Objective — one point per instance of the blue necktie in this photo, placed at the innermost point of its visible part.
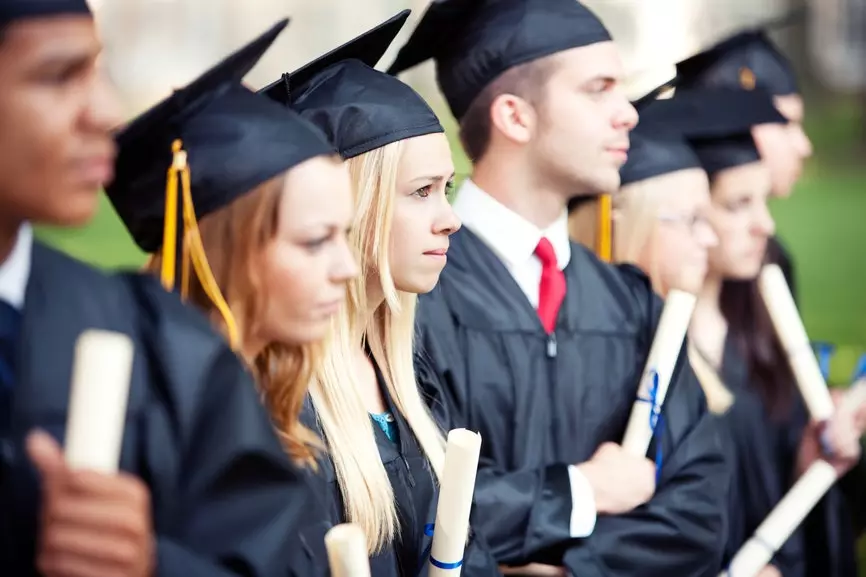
(10, 325)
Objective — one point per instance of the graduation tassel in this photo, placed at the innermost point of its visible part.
(603, 249)
(193, 248)
(169, 228)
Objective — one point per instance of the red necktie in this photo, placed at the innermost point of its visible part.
(551, 290)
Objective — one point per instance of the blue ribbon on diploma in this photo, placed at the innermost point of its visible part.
(428, 530)
(656, 419)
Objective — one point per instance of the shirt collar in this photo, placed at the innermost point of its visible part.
(15, 270)
(505, 232)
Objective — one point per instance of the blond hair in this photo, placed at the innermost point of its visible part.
(234, 238)
(635, 218)
(368, 497)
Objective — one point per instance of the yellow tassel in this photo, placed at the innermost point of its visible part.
(169, 228)
(604, 228)
(201, 266)
(193, 248)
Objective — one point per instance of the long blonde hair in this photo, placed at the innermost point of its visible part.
(367, 493)
(234, 237)
(635, 217)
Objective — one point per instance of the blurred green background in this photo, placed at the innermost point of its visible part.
(822, 224)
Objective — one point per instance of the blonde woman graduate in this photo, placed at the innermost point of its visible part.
(384, 437)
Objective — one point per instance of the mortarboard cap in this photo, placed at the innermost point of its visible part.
(234, 138)
(475, 41)
(13, 10)
(358, 108)
(746, 60)
(672, 131)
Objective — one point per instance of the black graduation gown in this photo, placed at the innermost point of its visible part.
(416, 494)
(543, 402)
(225, 499)
(764, 455)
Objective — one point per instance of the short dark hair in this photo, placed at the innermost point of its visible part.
(525, 80)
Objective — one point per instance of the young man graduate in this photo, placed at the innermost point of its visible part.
(205, 487)
(539, 346)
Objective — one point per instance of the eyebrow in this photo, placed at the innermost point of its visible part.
(433, 178)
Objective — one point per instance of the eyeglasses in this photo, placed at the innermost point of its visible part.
(693, 222)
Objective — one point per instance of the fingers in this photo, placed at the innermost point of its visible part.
(46, 456)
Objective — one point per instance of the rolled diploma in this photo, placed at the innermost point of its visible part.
(347, 551)
(662, 359)
(790, 512)
(101, 373)
(455, 501)
(792, 334)
(783, 520)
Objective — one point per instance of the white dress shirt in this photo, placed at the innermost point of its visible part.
(513, 240)
(15, 270)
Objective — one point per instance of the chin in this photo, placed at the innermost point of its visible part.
(306, 333)
(79, 210)
(418, 286)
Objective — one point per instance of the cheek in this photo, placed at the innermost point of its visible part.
(291, 284)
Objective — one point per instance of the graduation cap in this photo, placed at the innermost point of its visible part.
(693, 128)
(474, 41)
(746, 60)
(357, 107)
(12, 10)
(220, 140)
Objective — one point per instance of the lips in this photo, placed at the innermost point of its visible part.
(437, 252)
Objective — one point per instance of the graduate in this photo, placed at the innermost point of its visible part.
(271, 260)
(538, 345)
(662, 223)
(386, 448)
(750, 60)
(205, 487)
(773, 440)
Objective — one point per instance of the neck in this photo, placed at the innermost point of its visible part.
(711, 292)
(374, 297)
(251, 349)
(513, 185)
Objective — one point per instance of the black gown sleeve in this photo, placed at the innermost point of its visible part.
(238, 505)
(689, 508)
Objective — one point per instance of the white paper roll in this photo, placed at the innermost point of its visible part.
(101, 374)
(782, 521)
(662, 359)
(794, 507)
(347, 551)
(455, 502)
(792, 334)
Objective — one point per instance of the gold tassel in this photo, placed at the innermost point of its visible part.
(169, 227)
(193, 248)
(604, 249)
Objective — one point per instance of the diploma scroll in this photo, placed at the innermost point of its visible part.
(793, 509)
(792, 334)
(662, 359)
(101, 375)
(455, 503)
(347, 551)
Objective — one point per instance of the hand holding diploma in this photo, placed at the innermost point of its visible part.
(795, 506)
(95, 522)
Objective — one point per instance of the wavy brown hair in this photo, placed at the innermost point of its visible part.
(234, 238)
